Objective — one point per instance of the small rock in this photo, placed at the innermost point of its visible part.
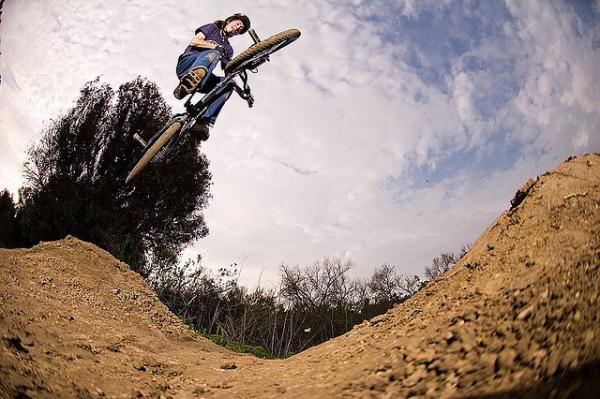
(488, 363)
(415, 377)
(140, 367)
(229, 366)
(539, 357)
(426, 357)
(222, 385)
(526, 313)
(553, 363)
(449, 337)
(431, 389)
(437, 366)
(445, 364)
(378, 320)
(506, 359)
(464, 367)
(468, 379)
(379, 385)
(588, 337)
(409, 369)
(569, 359)
(468, 346)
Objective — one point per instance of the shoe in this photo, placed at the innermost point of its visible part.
(189, 82)
(200, 129)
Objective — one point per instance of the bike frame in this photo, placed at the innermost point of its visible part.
(200, 107)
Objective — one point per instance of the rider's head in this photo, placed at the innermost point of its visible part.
(236, 24)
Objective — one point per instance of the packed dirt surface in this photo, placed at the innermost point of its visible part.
(517, 317)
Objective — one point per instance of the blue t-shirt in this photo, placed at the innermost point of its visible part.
(213, 33)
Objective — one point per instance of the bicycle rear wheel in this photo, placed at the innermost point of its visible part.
(164, 138)
(264, 47)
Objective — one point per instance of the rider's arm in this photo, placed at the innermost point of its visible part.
(200, 41)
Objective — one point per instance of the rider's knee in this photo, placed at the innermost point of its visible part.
(213, 55)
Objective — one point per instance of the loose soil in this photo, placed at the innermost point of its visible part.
(517, 317)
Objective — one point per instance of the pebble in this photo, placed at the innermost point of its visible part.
(535, 357)
(525, 313)
(506, 359)
(488, 361)
(569, 359)
(553, 363)
(427, 356)
(415, 377)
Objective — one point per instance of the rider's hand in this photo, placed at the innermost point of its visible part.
(221, 50)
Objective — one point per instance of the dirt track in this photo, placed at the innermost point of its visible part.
(517, 317)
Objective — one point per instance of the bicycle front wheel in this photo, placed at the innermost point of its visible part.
(264, 47)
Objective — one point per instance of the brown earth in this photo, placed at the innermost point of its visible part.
(517, 317)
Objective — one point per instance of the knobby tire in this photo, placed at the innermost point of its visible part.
(262, 46)
(154, 149)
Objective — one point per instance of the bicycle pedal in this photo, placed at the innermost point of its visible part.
(140, 140)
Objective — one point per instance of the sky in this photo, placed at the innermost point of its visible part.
(390, 132)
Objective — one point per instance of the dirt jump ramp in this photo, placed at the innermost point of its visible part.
(517, 317)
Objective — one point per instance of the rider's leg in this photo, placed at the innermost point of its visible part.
(213, 111)
(192, 68)
(210, 116)
(206, 121)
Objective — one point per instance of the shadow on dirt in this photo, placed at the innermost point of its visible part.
(580, 383)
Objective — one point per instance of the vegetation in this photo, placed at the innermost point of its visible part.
(75, 185)
(236, 346)
(446, 261)
(10, 235)
(75, 179)
(311, 305)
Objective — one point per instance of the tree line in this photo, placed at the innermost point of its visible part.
(74, 184)
(310, 305)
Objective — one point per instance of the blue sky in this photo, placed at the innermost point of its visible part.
(392, 131)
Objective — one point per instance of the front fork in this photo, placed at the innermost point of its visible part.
(244, 92)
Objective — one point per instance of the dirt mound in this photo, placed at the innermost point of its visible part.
(518, 316)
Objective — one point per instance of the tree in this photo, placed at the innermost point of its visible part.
(440, 265)
(9, 228)
(384, 284)
(409, 285)
(446, 261)
(75, 178)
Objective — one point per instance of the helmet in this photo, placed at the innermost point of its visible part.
(242, 17)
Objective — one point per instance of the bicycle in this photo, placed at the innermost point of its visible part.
(161, 144)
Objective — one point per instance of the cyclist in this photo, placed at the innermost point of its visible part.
(194, 67)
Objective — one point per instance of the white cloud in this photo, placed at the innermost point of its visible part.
(463, 95)
(560, 95)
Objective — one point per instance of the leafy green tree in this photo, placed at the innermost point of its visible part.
(9, 228)
(75, 178)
